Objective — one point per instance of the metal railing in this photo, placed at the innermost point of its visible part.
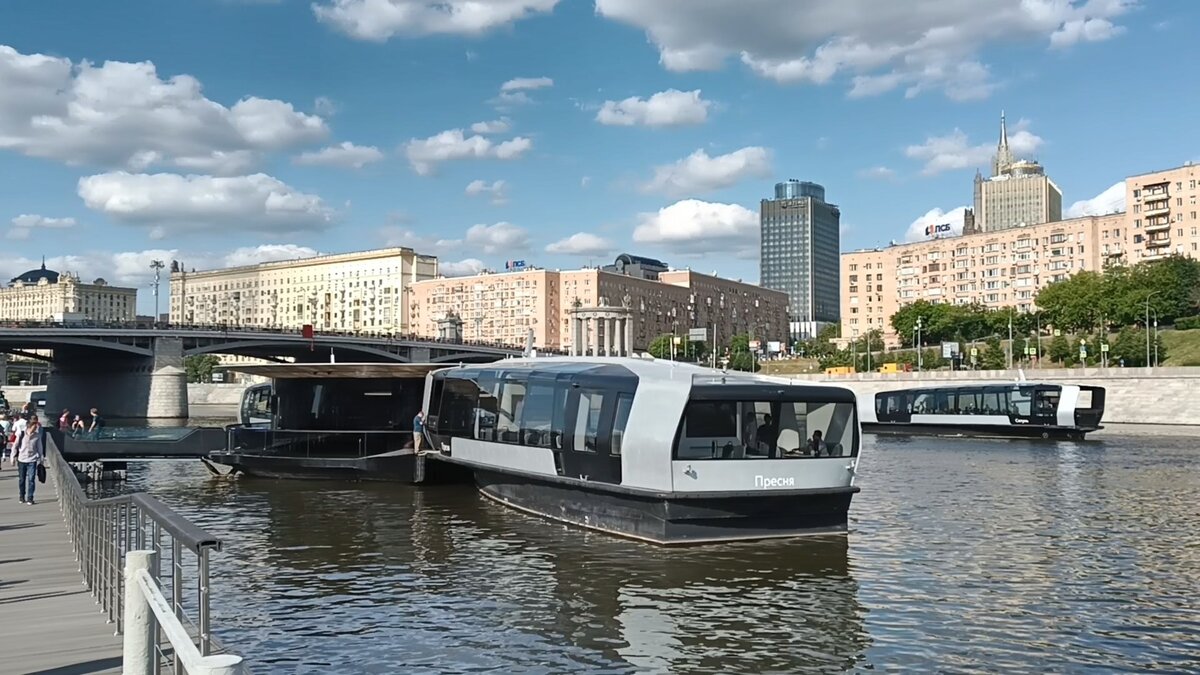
(104, 531)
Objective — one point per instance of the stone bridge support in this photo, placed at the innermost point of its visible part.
(121, 384)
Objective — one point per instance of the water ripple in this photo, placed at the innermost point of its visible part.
(963, 556)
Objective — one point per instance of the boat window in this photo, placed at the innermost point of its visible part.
(587, 419)
(1045, 401)
(1022, 401)
(459, 408)
(1085, 398)
(624, 405)
(508, 412)
(766, 430)
(537, 414)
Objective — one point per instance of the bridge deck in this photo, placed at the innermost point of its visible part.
(48, 621)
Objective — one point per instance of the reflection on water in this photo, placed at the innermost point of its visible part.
(962, 555)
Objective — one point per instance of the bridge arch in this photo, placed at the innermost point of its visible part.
(60, 341)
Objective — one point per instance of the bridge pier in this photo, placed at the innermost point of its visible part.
(121, 385)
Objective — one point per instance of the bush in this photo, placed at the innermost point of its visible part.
(1187, 323)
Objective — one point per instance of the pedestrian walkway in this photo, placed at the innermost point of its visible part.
(49, 623)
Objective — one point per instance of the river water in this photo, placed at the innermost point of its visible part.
(962, 556)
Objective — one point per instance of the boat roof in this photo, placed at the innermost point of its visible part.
(280, 371)
(978, 385)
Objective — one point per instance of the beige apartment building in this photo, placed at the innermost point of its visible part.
(1006, 268)
(46, 295)
(365, 292)
(1161, 210)
(996, 269)
(503, 307)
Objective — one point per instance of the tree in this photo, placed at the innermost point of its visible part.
(1060, 349)
(993, 356)
(199, 367)
(660, 348)
(740, 356)
(1129, 348)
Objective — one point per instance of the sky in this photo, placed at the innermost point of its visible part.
(558, 132)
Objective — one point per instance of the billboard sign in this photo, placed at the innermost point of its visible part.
(949, 349)
(939, 230)
(697, 335)
(514, 265)
(774, 346)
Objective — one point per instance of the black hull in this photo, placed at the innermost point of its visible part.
(1028, 431)
(668, 519)
(391, 467)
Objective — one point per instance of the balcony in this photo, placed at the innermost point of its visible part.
(1158, 226)
(1156, 207)
(1158, 243)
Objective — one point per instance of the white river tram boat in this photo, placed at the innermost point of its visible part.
(1002, 410)
(649, 449)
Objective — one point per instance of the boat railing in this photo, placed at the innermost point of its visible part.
(107, 533)
(316, 442)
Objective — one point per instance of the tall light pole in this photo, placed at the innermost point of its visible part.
(1155, 313)
(1010, 339)
(917, 344)
(157, 266)
(1148, 296)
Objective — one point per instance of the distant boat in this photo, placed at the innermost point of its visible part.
(1017, 410)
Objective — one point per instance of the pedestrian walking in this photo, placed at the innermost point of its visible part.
(29, 457)
(64, 421)
(97, 424)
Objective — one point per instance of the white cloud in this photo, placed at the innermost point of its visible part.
(696, 227)
(920, 46)
(379, 20)
(24, 225)
(954, 151)
(499, 126)
(426, 153)
(394, 235)
(460, 268)
(253, 255)
(346, 155)
(177, 203)
(877, 172)
(1111, 200)
(501, 237)
(497, 189)
(585, 181)
(123, 115)
(515, 91)
(526, 84)
(927, 226)
(665, 109)
(698, 173)
(580, 243)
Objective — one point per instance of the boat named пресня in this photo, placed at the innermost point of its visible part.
(1001, 410)
(650, 449)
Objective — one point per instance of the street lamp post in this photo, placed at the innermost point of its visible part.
(1154, 312)
(1148, 296)
(1010, 338)
(917, 342)
(156, 265)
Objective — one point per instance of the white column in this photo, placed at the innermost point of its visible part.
(140, 623)
(594, 340)
(629, 336)
(611, 323)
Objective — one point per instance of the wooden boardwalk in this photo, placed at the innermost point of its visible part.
(49, 623)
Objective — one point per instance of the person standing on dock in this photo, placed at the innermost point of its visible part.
(6, 428)
(29, 455)
(418, 430)
(96, 425)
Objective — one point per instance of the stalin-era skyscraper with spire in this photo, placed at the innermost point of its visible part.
(1018, 193)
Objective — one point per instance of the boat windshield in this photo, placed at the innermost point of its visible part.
(763, 429)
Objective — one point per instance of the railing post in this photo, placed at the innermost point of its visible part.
(202, 582)
(140, 623)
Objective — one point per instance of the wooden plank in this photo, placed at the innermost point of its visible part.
(49, 623)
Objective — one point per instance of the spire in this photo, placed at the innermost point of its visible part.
(1004, 156)
(43, 261)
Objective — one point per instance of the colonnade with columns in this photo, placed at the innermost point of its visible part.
(601, 331)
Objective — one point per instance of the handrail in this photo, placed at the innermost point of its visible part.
(103, 531)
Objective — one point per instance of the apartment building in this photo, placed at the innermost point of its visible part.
(46, 295)
(502, 307)
(365, 292)
(1161, 210)
(998, 269)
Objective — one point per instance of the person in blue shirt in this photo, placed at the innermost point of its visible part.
(418, 428)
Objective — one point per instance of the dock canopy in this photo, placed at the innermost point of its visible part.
(278, 371)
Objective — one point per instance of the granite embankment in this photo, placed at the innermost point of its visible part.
(205, 401)
(1141, 396)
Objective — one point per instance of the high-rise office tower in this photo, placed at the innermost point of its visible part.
(801, 253)
(1018, 193)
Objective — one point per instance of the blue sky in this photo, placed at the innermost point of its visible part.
(221, 132)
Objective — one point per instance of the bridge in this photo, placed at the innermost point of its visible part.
(136, 371)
